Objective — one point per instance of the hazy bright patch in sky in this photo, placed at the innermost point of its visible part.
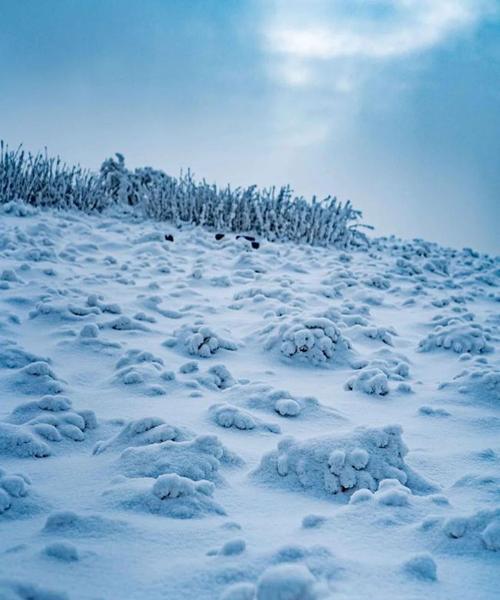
(394, 104)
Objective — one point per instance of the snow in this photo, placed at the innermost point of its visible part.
(185, 416)
(286, 582)
(422, 566)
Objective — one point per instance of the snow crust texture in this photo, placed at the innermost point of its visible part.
(191, 415)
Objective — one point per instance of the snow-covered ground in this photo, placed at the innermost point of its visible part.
(201, 418)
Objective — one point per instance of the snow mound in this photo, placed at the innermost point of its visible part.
(32, 428)
(422, 566)
(230, 548)
(16, 590)
(292, 572)
(142, 432)
(72, 524)
(96, 301)
(62, 551)
(201, 341)
(197, 459)
(370, 381)
(286, 582)
(481, 382)
(13, 356)
(357, 332)
(16, 498)
(36, 378)
(141, 367)
(374, 376)
(464, 534)
(217, 377)
(390, 492)
(481, 528)
(124, 323)
(278, 402)
(227, 415)
(170, 495)
(60, 311)
(458, 337)
(16, 208)
(315, 340)
(344, 463)
(137, 357)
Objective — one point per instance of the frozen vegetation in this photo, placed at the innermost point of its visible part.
(274, 214)
(222, 412)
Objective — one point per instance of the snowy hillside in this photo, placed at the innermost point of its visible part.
(189, 417)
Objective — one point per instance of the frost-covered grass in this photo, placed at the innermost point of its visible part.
(40, 180)
(272, 213)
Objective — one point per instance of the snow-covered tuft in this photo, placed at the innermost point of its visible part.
(315, 340)
(343, 463)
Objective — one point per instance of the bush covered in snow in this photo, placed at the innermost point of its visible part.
(140, 367)
(373, 377)
(199, 458)
(369, 381)
(201, 341)
(459, 337)
(32, 427)
(217, 377)
(43, 181)
(343, 463)
(270, 213)
(315, 340)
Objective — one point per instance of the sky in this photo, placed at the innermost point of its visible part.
(393, 104)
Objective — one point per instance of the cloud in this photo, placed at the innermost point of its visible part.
(361, 31)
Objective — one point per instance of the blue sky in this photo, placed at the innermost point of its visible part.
(393, 104)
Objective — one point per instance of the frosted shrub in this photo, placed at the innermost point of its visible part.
(270, 213)
(33, 427)
(202, 341)
(369, 381)
(344, 463)
(42, 181)
(459, 337)
(273, 214)
(315, 340)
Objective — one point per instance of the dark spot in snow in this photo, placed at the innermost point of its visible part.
(169, 237)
